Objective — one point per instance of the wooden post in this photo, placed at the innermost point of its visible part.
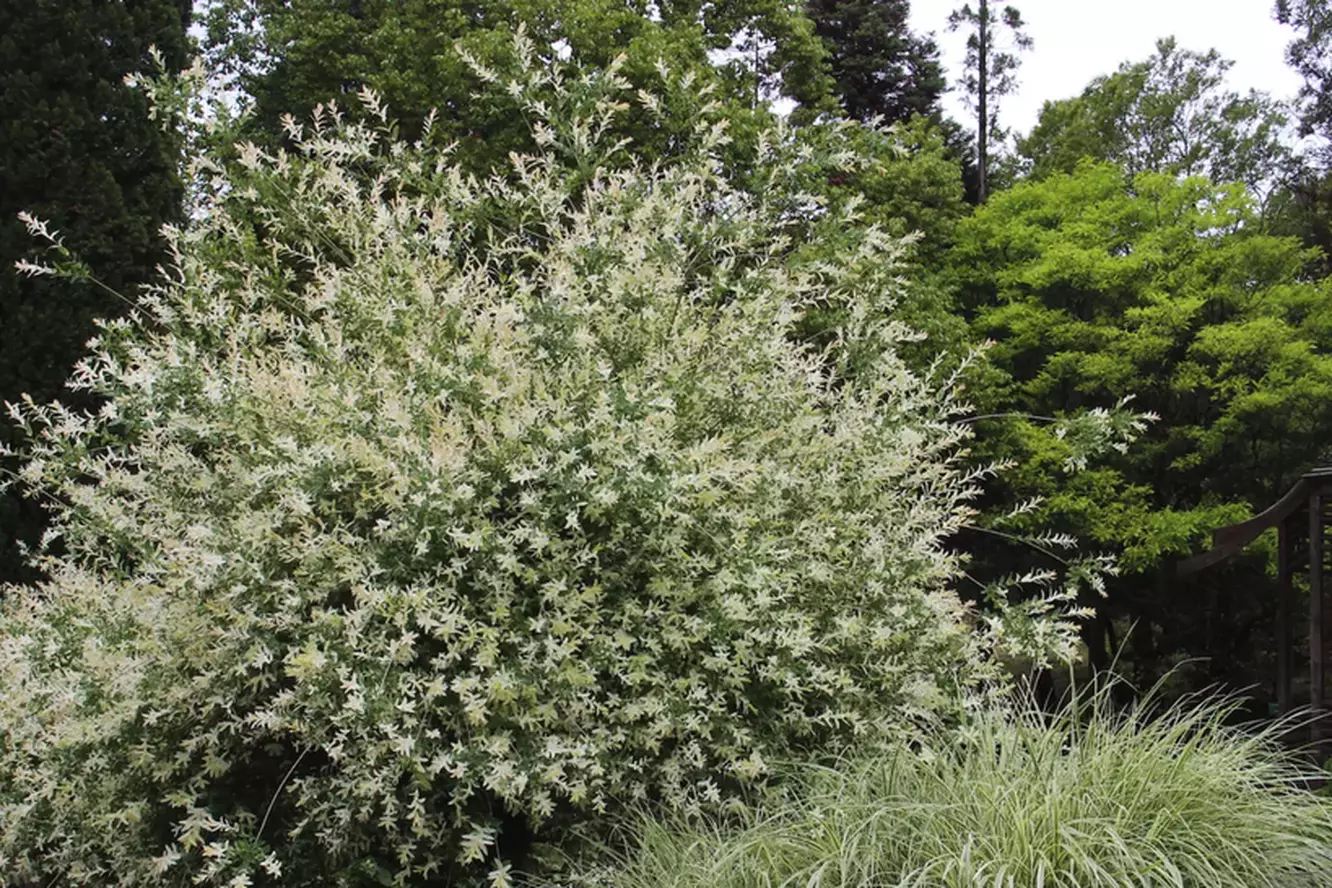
(1316, 610)
(1284, 595)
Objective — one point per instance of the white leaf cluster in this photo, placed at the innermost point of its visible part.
(425, 511)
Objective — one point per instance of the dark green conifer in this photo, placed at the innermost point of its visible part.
(77, 148)
(880, 66)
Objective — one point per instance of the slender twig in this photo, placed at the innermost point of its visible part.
(28, 493)
(1033, 417)
(1026, 541)
(278, 792)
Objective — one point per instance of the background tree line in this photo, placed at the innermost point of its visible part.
(1158, 235)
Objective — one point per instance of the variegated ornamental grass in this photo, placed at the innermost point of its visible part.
(1089, 794)
(427, 515)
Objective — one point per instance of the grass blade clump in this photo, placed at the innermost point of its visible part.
(1090, 796)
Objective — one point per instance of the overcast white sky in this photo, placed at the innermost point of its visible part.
(1077, 40)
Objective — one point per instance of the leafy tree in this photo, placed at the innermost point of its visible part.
(78, 148)
(1096, 286)
(1168, 114)
(435, 514)
(1310, 54)
(991, 71)
(1304, 207)
(880, 67)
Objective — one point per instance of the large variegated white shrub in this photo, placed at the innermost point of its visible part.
(427, 518)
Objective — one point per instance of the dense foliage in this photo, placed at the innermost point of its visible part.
(428, 517)
(1092, 797)
(287, 56)
(77, 147)
(905, 181)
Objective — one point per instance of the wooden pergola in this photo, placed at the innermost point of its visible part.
(1303, 514)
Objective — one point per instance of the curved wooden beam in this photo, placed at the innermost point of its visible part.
(1227, 542)
(1240, 535)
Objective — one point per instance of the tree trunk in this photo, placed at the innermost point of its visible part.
(1095, 631)
(983, 136)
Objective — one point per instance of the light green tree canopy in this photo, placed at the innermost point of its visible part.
(1095, 286)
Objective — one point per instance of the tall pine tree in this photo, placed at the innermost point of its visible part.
(880, 66)
(991, 70)
(77, 148)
